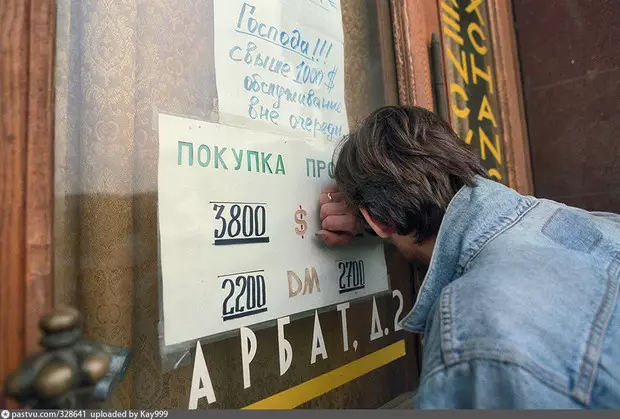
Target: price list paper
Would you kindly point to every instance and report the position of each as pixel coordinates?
(238, 211)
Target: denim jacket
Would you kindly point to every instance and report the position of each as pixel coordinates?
(519, 307)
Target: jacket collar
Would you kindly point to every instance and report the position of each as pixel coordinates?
(474, 216)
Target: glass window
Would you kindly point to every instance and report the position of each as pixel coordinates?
(118, 64)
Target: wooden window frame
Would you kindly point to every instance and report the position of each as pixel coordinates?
(510, 92)
(27, 68)
(26, 176)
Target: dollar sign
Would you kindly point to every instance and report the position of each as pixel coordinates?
(330, 79)
(299, 219)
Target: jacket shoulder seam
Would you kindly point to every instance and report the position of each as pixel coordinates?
(525, 205)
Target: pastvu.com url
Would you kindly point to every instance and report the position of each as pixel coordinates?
(10, 414)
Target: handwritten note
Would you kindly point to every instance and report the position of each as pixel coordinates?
(280, 66)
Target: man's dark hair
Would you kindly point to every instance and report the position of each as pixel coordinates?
(404, 165)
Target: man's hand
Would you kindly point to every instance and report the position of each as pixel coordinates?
(338, 222)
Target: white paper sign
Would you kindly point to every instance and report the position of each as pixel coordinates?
(238, 212)
(280, 66)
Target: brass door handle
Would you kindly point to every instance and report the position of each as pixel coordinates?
(70, 373)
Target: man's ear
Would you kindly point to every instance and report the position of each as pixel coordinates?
(384, 231)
